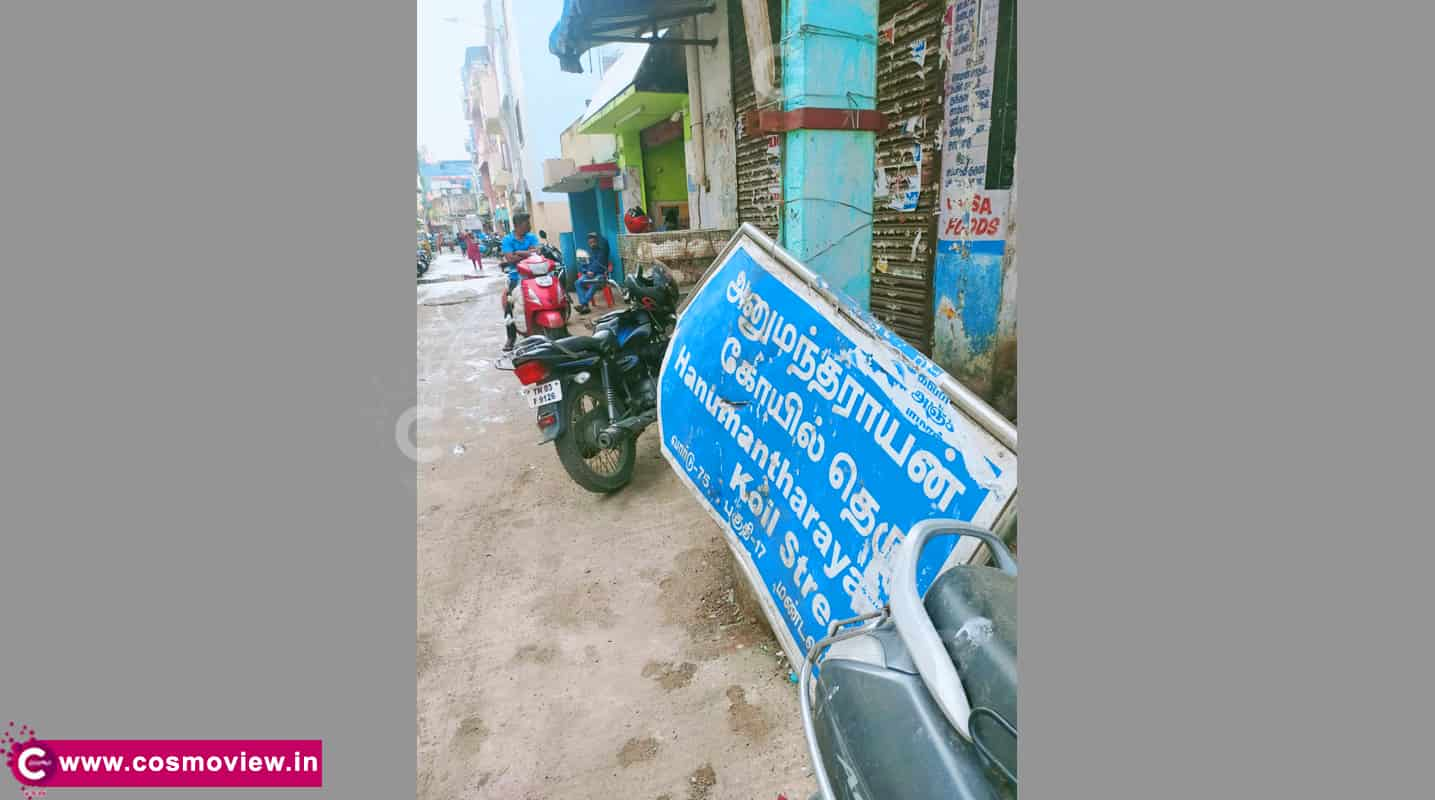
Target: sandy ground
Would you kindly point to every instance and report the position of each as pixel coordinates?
(572, 646)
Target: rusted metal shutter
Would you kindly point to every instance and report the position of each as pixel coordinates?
(759, 158)
(909, 93)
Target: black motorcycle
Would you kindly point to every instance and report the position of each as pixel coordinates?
(424, 261)
(595, 394)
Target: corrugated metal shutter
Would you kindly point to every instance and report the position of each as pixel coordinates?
(759, 164)
(909, 93)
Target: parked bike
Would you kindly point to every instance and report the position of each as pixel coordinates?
(424, 262)
(595, 394)
(539, 304)
(921, 701)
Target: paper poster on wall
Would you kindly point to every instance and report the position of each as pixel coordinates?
(919, 52)
(970, 40)
(774, 145)
(978, 216)
(908, 197)
(887, 32)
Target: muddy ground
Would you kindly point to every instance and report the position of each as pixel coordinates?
(570, 645)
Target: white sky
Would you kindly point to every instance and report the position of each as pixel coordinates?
(555, 97)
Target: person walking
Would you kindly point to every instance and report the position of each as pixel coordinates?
(475, 255)
(593, 275)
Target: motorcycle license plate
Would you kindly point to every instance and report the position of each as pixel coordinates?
(544, 280)
(543, 393)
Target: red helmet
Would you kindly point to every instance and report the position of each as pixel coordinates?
(636, 221)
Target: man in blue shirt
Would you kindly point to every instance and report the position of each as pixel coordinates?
(593, 275)
(518, 245)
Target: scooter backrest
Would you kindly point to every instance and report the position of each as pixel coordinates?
(533, 266)
(915, 626)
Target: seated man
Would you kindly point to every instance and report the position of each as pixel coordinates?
(593, 275)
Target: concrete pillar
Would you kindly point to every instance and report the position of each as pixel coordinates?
(829, 60)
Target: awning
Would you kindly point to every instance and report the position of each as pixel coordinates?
(586, 23)
(646, 86)
(587, 177)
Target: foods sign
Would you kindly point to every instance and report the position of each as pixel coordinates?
(816, 439)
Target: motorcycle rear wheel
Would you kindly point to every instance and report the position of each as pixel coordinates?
(585, 413)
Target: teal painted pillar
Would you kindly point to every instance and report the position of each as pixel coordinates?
(829, 60)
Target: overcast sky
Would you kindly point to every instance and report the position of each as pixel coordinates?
(555, 97)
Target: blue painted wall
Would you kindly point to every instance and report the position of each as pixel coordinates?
(583, 213)
(971, 281)
(570, 254)
(609, 225)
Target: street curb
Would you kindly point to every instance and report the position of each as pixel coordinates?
(450, 278)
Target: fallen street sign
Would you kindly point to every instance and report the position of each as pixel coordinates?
(816, 438)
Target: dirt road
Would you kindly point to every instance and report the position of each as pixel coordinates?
(570, 645)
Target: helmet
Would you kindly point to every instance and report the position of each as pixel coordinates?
(656, 291)
(636, 220)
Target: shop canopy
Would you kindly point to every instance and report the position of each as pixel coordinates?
(588, 176)
(647, 85)
(588, 23)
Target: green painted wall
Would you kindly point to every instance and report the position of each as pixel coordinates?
(665, 177)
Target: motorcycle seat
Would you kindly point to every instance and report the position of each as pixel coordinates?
(598, 343)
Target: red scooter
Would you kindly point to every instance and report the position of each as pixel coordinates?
(539, 304)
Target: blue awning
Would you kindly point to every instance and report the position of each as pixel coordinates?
(586, 23)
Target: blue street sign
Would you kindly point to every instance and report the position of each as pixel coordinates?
(816, 438)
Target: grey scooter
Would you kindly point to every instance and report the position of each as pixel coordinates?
(920, 702)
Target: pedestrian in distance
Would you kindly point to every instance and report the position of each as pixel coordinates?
(475, 255)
